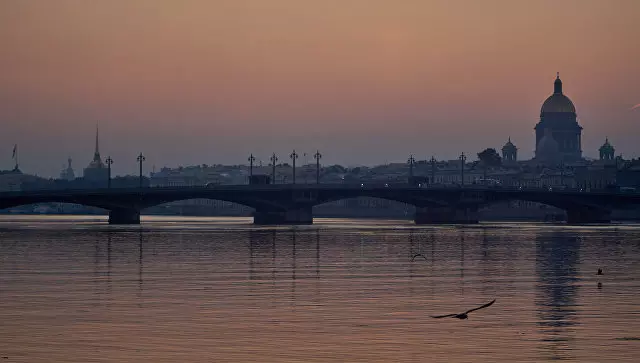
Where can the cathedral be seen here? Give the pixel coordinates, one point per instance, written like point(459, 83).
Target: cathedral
point(558, 134)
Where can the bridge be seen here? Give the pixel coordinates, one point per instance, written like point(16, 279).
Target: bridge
point(293, 203)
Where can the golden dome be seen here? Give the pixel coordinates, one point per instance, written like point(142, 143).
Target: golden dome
point(558, 102)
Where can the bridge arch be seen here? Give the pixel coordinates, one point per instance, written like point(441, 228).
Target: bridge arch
point(52, 207)
point(199, 206)
point(365, 206)
point(575, 209)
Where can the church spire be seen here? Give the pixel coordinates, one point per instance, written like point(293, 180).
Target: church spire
point(557, 85)
point(96, 154)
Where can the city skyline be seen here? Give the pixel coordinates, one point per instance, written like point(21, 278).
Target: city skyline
point(363, 82)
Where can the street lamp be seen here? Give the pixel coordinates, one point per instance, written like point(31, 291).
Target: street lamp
point(140, 159)
point(317, 156)
point(109, 161)
point(433, 170)
point(411, 161)
point(274, 160)
point(293, 157)
point(251, 160)
point(462, 158)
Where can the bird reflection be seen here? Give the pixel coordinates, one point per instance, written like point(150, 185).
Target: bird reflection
point(557, 257)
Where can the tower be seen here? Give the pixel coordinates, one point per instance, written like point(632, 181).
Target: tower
point(607, 151)
point(509, 153)
point(96, 172)
point(558, 121)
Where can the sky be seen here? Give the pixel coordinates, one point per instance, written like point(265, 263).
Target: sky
point(363, 81)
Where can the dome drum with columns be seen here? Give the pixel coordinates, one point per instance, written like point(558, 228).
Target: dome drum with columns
point(509, 153)
point(607, 151)
point(558, 134)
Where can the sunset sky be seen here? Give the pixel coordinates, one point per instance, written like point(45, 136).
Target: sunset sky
point(364, 81)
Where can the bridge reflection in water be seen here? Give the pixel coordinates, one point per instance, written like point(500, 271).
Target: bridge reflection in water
point(293, 204)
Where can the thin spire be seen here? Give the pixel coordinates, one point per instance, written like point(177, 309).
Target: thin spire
point(557, 75)
point(97, 145)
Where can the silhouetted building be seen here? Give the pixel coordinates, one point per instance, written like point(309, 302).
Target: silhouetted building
point(558, 134)
point(607, 152)
point(68, 173)
point(96, 171)
point(509, 153)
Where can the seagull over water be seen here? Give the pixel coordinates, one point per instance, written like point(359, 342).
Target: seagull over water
point(465, 314)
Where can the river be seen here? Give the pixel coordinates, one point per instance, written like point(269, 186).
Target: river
point(73, 289)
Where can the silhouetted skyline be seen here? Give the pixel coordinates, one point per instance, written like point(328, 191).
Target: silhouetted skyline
point(364, 82)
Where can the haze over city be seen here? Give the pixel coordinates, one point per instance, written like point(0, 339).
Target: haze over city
point(365, 82)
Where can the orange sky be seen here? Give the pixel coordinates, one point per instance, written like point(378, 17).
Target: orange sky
point(364, 81)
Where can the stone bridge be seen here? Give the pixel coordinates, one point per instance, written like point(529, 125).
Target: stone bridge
point(292, 204)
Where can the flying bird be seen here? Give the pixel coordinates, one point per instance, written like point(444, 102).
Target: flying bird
point(465, 314)
point(417, 255)
point(636, 106)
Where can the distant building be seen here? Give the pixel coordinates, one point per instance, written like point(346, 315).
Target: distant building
point(558, 134)
point(96, 171)
point(67, 173)
point(11, 180)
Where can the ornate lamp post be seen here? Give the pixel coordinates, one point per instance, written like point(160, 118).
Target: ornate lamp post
point(140, 159)
point(317, 156)
point(274, 160)
point(109, 161)
point(462, 158)
point(251, 160)
point(293, 157)
point(433, 170)
point(411, 161)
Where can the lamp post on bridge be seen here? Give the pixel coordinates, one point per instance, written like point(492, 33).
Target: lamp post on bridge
point(317, 156)
point(293, 157)
point(141, 159)
point(433, 170)
point(109, 161)
point(462, 158)
point(251, 160)
point(411, 161)
point(274, 160)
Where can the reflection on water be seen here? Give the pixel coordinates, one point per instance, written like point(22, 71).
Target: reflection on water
point(557, 258)
point(207, 290)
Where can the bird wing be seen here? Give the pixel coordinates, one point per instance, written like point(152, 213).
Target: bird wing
point(481, 307)
point(444, 316)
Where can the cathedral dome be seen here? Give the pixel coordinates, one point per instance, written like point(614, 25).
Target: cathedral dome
point(558, 102)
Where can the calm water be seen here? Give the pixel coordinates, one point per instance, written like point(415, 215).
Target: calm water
point(221, 290)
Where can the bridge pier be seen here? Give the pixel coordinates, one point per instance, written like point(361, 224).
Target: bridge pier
point(290, 216)
point(446, 215)
point(588, 215)
point(124, 216)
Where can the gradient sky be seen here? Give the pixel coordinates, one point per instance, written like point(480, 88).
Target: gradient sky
point(364, 81)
